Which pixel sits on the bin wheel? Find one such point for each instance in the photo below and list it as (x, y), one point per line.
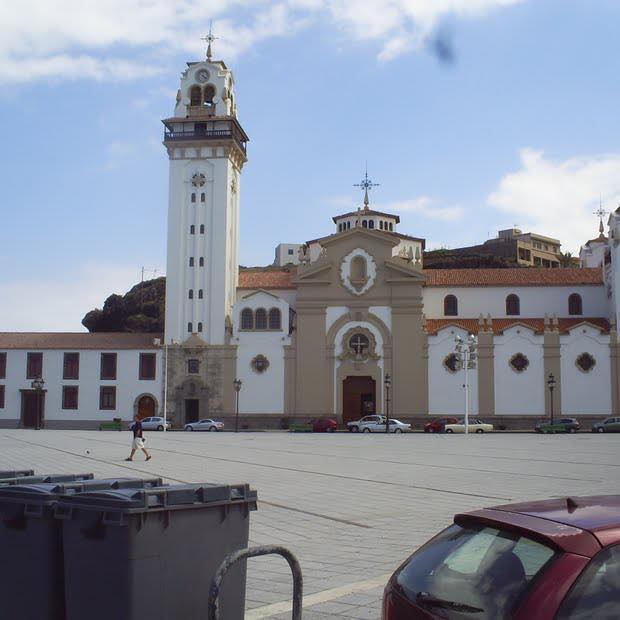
(160, 428)
(189, 428)
(213, 429)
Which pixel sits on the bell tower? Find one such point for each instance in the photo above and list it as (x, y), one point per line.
(206, 147)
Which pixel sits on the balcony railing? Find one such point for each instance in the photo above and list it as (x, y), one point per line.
(201, 133)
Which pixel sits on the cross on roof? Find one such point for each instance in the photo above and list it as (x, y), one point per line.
(366, 184)
(209, 39)
(600, 213)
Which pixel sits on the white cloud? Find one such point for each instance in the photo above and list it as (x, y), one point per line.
(425, 207)
(558, 198)
(60, 302)
(100, 39)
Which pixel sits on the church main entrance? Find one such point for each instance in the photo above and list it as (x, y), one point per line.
(192, 410)
(358, 398)
(146, 407)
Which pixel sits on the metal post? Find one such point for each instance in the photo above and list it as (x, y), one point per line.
(387, 382)
(467, 391)
(551, 384)
(165, 387)
(551, 388)
(237, 383)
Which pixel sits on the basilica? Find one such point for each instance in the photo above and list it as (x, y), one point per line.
(347, 324)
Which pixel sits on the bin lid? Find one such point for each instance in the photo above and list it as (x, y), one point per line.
(45, 478)
(16, 473)
(181, 496)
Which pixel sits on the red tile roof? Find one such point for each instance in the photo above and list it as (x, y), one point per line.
(525, 276)
(500, 325)
(77, 340)
(266, 278)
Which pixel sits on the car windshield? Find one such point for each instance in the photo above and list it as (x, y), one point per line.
(481, 567)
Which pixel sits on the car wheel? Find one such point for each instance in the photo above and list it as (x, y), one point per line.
(449, 430)
(366, 430)
(189, 428)
(600, 429)
(479, 430)
(572, 430)
(331, 430)
(355, 429)
(213, 429)
(160, 428)
(426, 430)
(398, 430)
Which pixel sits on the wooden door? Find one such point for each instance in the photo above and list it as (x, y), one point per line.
(30, 409)
(146, 407)
(192, 410)
(358, 398)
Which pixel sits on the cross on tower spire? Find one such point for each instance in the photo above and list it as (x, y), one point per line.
(209, 39)
(366, 184)
(600, 213)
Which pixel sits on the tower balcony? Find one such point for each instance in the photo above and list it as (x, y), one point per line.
(181, 130)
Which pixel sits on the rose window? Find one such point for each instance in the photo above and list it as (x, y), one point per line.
(519, 362)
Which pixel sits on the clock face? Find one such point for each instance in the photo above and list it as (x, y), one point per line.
(202, 75)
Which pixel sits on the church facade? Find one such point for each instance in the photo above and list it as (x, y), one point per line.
(357, 325)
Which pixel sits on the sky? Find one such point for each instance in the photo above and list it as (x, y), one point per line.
(471, 115)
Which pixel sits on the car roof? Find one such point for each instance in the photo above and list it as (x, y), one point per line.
(575, 524)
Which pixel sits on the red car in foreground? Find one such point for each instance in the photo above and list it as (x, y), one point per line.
(324, 425)
(554, 559)
(438, 426)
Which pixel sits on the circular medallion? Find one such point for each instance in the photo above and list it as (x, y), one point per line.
(202, 75)
(198, 179)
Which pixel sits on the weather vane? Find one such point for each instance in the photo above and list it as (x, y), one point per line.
(366, 184)
(600, 213)
(209, 39)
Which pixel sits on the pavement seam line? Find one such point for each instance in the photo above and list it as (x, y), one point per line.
(323, 596)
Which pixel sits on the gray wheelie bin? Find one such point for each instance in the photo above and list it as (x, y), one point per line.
(151, 554)
(44, 478)
(31, 563)
(16, 473)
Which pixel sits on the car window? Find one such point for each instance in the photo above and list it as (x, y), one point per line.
(146, 420)
(483, 567)
(597, 591)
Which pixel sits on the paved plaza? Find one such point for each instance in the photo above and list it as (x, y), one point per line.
(350, 506)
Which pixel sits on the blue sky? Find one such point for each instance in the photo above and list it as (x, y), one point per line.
(520, 127)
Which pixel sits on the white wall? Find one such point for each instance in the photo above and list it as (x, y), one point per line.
(536, 301)
(446, 392)
(586, 392)
(128, 386)
(519, 393)
(261, 392)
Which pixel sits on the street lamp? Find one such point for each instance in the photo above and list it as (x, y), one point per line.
(387, 382)
(237, 383)
(551, 383)
(467, 356)
(37, 385)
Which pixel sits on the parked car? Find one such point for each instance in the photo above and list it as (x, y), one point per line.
(557, 558)
(324, 425)
(563, 425)
(475, 426)
(394, 425)
(354, 427)
(608, 425)
(205, 425)
(438, 426)
(155, 424)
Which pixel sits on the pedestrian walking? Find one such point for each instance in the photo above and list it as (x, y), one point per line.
(138, 440)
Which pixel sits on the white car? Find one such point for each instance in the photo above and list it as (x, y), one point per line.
(394, 425)
(205, 425)
(155, 424)
(475, 426)
(358, 425)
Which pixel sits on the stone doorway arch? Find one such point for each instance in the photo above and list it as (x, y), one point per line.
(145, 406)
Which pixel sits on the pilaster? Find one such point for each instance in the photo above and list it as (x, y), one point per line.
(552, 365)
(614, 354)
(486, 369)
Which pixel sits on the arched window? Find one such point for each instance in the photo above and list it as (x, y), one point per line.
(191, 293)
(358, 270)
(275, 319)
(340, 227)
(193, 197)
(203, 197)
(202, 229)
(209, 94)
(513, 305)
(450, 305)
(189, 328)
(199, 327)
(195, 95)
(199, 293)
(364, 224)
(260, 319)
(381, 224)
(575, 304)
(391, 226)
(201, 261)
(348, 225)
(247, 319)
(191, 261)
(192, 230)
(371, 223)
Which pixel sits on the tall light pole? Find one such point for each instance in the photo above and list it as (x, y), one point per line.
(237, 383)
(37, 385)
(387, 382)
(551, 384)
(165, 387)
(467, 356)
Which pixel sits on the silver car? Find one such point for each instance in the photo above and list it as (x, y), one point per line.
(155, 424)
(205, 425)
(608, 425)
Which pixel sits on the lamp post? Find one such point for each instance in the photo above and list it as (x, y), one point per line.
(551, 383)
(37, 385)
(467, 356)
(237, 383)
(387, 382)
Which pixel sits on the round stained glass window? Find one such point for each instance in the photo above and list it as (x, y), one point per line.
(451, 362)
(585, 362)
(519, 362)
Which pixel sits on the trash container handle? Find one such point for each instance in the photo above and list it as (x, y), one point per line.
(233, 558)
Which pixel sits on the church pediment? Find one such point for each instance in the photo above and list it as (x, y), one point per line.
(398, 270)
(318, 273)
